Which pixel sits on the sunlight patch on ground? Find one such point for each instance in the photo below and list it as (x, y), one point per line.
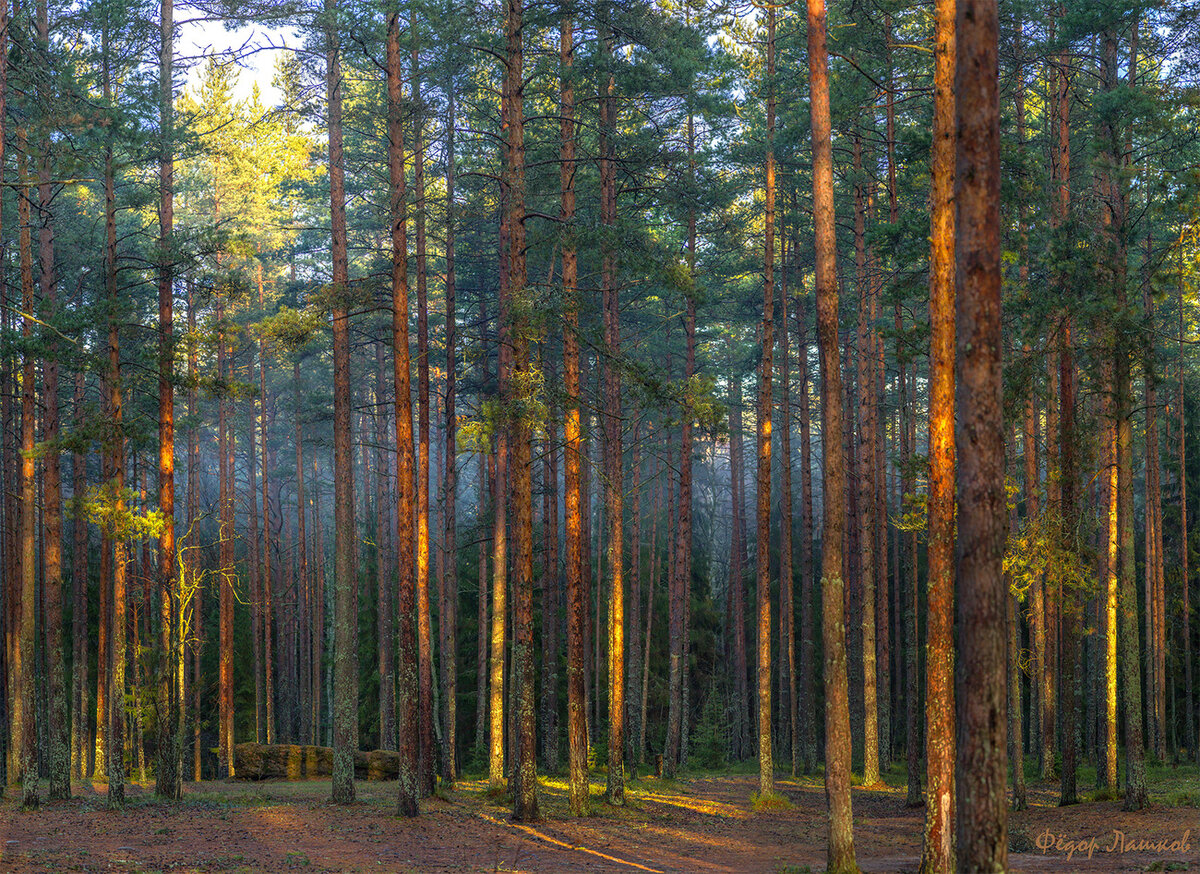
(706, 806)
(529, 830)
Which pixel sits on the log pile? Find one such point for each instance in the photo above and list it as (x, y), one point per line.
(254, 761)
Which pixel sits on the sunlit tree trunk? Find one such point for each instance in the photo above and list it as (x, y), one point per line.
(427, 773)
(766, 766)
(168, 776)
(840, 858)
(114, 739)
(525, 802)
(406, 675)
(614, 498)
(1113, 214)
(937, 855)
(500, 502)
(449, 611)
(192, 513)
(1112, 546)
(577, 736)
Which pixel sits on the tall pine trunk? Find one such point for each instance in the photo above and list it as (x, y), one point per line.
(56, 732)
(24, 659)
(866, 481)
(345, 607)
(427, 773)
(449, 609)
(524, 790)
(406, 643)
(614, 498)
(766, 766)
(937, 855)
(981, 771)
(840, 859)
(168, 771)
(577, 735)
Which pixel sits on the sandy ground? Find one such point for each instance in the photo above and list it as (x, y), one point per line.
(695, 825)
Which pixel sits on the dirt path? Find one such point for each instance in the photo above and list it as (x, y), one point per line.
(701, 825)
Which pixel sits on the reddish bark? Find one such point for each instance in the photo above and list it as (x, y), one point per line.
(982, 596)
(837, 710)
(406, 675)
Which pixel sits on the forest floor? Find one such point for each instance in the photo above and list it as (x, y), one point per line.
(699, 824)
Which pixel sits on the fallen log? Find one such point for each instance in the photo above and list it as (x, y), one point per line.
(253, 761)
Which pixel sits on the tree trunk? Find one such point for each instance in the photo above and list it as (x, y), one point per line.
(225, 763)
(740, 729)
(79, 584)
(866, 481)
(614, 498)
(192, 512)
(1189, 709)
(766, 766)
(837, 708)
(57, 733)
(266, 593)
(385, 604)
(1112, 586)
(633, 669)
(345, 608)
(24, 718)
(1016, 756)
(808, 658)
(787, 636)
(679, 566)
(168, 771)
(525, 803)
(427, 767)
(577, 736)
(548, 703)
(981, 773)
(938, 850)
(1059, 432)
(449, 611)
(114, 740)
(500, 502)
(481, 676)
(406, 675)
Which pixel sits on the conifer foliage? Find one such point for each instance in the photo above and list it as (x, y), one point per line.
(412, 388)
